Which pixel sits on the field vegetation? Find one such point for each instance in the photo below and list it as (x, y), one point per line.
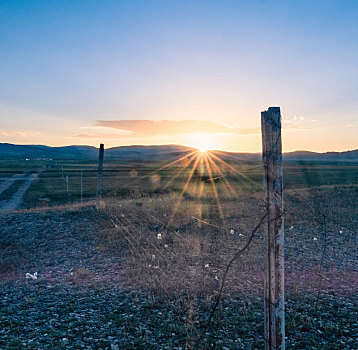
(145, 270)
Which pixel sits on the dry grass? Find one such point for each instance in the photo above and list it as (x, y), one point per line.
(189, 251)
(185, 252)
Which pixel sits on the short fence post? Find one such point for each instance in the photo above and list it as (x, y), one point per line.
(99, 173)
(81, 186)
(274, 230)
(67, 184)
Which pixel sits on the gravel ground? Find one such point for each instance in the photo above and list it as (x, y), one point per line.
(83, 300)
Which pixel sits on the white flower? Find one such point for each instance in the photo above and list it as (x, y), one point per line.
(341, 231)
(206, 265)
(153, 256)
(159, 236)
(315, 238)
(29, 275)
(165, 245)
(232, 232)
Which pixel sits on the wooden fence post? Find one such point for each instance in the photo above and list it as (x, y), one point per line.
(67, 184)
(81, 186)
(99, 173)
(274, 230)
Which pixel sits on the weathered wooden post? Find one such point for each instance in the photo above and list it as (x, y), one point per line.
(274, 230)
(67, 184)
(99, 173)
(81, 186)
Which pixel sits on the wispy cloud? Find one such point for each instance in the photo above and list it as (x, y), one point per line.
(96, 136)
(302, 123)
(145, 128)
(102, 132)
(18, 133)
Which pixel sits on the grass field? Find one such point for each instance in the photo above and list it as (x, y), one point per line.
(138, 179)
(144, 272)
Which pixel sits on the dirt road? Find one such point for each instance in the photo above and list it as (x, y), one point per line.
(7, 182)
(16, 199)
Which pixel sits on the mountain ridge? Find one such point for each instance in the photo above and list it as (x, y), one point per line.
(142, 152)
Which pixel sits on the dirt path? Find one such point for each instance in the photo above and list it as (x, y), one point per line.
(16, 199)
(7, 182)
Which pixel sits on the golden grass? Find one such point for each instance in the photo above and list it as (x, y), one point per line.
(182, 252)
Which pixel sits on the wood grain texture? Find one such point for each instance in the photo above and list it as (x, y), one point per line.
(274, 229)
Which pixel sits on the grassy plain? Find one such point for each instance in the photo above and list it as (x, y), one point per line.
(134, 179)
(144, 272)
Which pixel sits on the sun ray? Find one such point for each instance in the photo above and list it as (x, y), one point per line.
(200, 186)
(179, 172)
(232, 168)
(221, 173)
(214, 188)
(170, 164)
(177, 204)
(227, 154)
(201, 183)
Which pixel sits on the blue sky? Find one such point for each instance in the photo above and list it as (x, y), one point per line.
(67, 66)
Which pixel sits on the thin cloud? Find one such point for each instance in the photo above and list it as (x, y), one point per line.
(94, 136)
(299, 127)
(150, 128)
(99, 128)
(19, 133)
(302, 123)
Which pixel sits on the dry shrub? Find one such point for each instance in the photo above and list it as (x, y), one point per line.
(181, 253)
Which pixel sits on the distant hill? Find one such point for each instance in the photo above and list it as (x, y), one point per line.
(347, 156)
(140, 152)
(147, 152)
(10, 151)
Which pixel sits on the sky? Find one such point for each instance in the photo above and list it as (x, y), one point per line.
(183, 72)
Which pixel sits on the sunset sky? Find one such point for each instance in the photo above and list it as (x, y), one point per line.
(184, 72)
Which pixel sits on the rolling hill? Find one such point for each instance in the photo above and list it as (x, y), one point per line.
(140, 152)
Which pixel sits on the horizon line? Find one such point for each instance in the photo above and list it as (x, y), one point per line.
(178, 145)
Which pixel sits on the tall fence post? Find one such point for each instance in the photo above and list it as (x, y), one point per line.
(274, 230)
(99, 173)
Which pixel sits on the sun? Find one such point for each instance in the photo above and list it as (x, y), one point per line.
(203, 142)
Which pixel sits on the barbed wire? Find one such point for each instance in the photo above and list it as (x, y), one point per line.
(236, 256)
(316, 210)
